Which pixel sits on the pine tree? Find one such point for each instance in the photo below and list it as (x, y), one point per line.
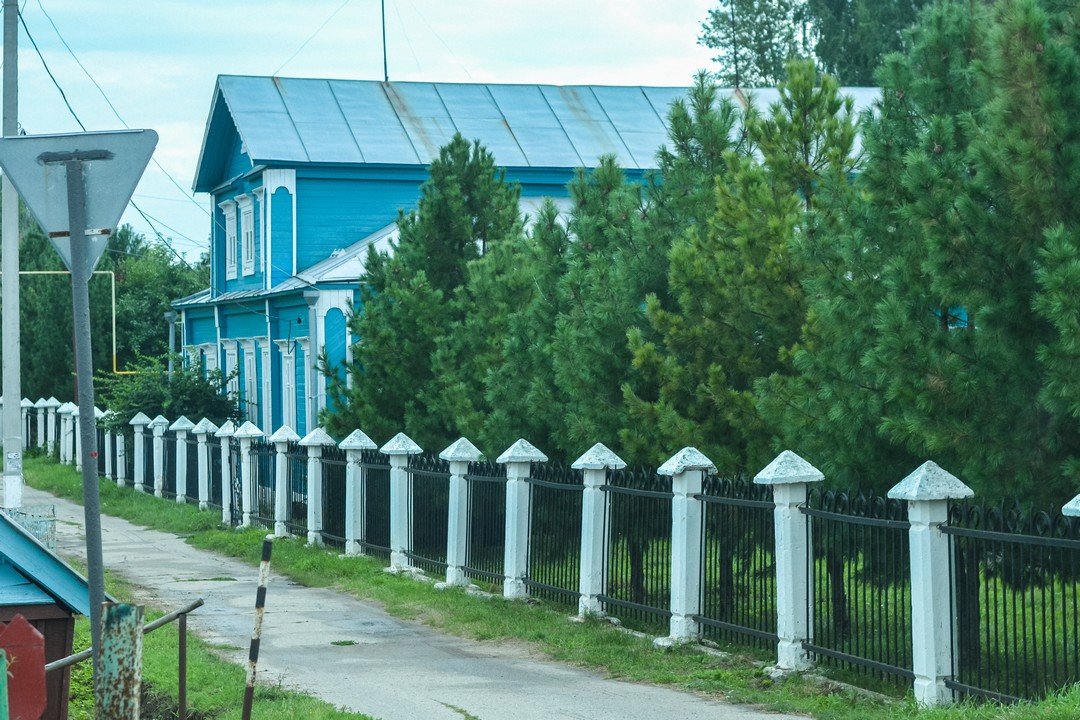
(852, 37)
(754, 39)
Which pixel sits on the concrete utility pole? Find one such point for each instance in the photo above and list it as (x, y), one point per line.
(9, 295)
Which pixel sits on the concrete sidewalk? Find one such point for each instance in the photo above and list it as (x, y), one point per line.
(396, 670)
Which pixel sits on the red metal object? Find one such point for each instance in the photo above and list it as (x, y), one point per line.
(25, 648)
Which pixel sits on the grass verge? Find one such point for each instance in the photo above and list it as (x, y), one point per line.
(544, 628)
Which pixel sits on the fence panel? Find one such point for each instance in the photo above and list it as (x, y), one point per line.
(264, 471)
(169, 488)
(485, 484)
(860, 584)
(129, 455)
(216, 475)
(147, 441)
(738, 603)
(296, 462)
(100, 448)
(333, 496)
(191, 481)
(236, 502)
(429, 500)
(637, 568)
(1016, 601)
(555, 533)
(375, 468)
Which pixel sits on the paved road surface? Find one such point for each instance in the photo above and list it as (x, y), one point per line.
(397, 670)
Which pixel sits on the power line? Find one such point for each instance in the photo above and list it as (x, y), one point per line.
(311, 37)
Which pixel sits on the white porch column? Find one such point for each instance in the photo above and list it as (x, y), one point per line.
(518, 459)
(594, 465)
(224, 434)
(281, 440)
(355, 489)
(789, 476)
(39, 417)
(459, 455)
(686, 469)
(928, 491)
(399, 449)
(181, 427)
(50, 431)
(139, 423)
(246, 433)
(158, 426)
(315, 441)
(202, 431)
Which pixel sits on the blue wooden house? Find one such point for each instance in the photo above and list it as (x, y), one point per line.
(306, 174)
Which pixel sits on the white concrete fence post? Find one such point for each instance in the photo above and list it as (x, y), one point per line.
(26, 405)
(790, 475)
(159, 426)
(282, 491)
(224, 435)
(139, 423)
(202, 431)
(110, 442)
(399, 448)
(64, 412)
(687, 470)
(518, 460)
(594, 464)
(459, 454)
(315, 441)
(181, 427)
(39, 417)
(355, 489)
(247, 433)
(50, 431)
(121, 459)
(928, 491)
(76, 438)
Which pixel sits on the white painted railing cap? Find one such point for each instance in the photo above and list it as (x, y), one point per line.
(204, 427)
(1071, 508)
(686, 459)
(930, 482)
(226, 430)
(788, 469)
(284, 434)
(401, 444)
(461, 450)
(318, 438)
(521, 451)
(41, 402)
(159, 422)
(357, 440)
(52, 402)
(247, 431)
(599, 457)
(139, 419)
(26, 403)
(182, 423)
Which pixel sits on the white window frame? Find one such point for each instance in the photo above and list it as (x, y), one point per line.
(260, 230)
(288, 382)
(233, 386)
(229, 208)
(247, 234)
(252, 399)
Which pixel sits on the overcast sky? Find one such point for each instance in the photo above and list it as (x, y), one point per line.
(156, 60)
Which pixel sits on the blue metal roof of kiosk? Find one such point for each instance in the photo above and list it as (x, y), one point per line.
(31, 574)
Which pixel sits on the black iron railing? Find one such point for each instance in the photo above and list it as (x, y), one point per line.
(1016, 601)
(264, 470)
(485, 484)
(333, 496)
(129, 456)
(860, 584)
(190, 491)
(168, 488)
(637, 566)
(147, 441)
(555, 533)
(236, 489)
(100, 448)
(296, 462)
(213, 466)
(375, 473)
(429, 492)
(738, 589)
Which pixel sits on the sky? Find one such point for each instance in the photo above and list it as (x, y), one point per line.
(156, 62)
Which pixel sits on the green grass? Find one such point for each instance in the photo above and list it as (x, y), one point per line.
(542, 627)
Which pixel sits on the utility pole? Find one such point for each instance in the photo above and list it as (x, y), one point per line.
(9, 265)
(385, 69)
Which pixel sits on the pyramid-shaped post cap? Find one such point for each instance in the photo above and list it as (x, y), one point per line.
(930, 482)
(599, 457)
(226, 430)
(52, 402)
(204, 427)
(357, 440)
(67, 407)
(788, 469)
(139, 419)
(401, 444)
(159, 422)
(182, 423)
(318, 438)
(1072, 508)
(686, 459)
(284, 434)
(98, 412)
(41, 402)
(461, 450)
(26, 403)
(521, 451)
(74, 411)
(247, 431)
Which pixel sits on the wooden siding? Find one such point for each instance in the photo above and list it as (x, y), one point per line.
(281, 229)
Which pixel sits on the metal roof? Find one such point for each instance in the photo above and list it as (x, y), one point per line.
(21, 551)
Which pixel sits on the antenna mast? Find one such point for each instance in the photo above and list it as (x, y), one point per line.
(385, 71)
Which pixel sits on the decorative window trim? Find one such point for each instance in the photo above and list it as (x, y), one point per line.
(229, 208)
(247, 233)
(287, 385)
(260, 228)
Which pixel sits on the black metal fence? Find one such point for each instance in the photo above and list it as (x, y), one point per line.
(860, 584)
(129, 455)
(215, 472)
(168, 488)
(236, 489)
(147, 441)
(296, 522)
(375, 474)
(738, 588)
(100, 449)
(485, 484)
(555, 533)
(1016, 601)
(263, 473)
(190, 491)
(333, 496)
(637, 568)
(429, 497)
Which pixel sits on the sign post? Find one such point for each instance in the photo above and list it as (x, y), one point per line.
(77, 185)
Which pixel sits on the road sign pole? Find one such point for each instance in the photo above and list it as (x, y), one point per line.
(84, 373)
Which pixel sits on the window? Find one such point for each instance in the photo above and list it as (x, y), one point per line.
(229, 208)
(247, 233)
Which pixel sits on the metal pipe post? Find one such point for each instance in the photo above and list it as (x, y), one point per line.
(11, 495)
(256, 634)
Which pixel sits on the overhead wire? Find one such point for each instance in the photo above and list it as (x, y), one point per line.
(311, 37)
